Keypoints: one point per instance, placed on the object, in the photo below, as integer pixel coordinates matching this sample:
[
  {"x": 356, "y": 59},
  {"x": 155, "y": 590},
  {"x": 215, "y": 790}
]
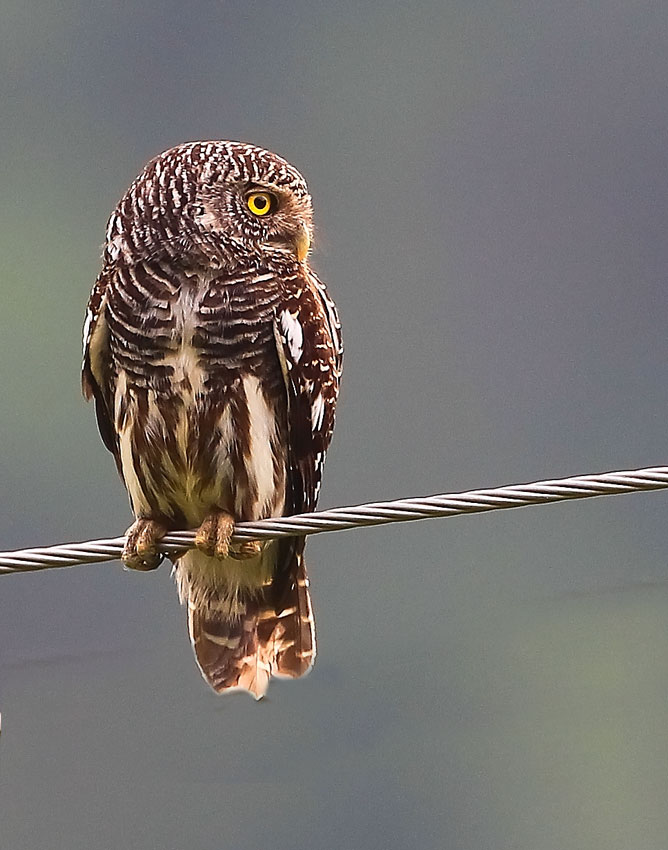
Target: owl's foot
[
  {"x": 141, "y": 544},
  {"x": 247, "y": 549},
  {"x": 214, "y": 535}
]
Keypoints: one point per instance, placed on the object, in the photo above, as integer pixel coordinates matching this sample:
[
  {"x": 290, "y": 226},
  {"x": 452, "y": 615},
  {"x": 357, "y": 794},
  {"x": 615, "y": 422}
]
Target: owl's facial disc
[{"x": 256, "y": 216}]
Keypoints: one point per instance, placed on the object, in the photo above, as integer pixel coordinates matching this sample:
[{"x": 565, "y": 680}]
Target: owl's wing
[
  {"x": 308, "y": 336},
  {"x": 95, "y": 366},
  {"x": 308, "y": 341}
]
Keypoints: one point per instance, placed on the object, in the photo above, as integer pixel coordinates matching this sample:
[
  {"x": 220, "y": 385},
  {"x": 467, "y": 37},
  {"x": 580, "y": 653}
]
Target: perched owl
[{"x": 213, "y": 353}]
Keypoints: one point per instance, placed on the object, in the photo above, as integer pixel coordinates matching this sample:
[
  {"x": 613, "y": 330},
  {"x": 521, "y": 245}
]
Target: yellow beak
[{"x": 302, "y": 243}]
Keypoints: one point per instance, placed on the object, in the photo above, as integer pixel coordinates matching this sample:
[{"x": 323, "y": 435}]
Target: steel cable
[{"x": 359, "y": 516}]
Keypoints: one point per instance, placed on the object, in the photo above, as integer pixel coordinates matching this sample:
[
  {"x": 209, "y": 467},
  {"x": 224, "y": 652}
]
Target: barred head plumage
[{"x": 226, "y": 202}]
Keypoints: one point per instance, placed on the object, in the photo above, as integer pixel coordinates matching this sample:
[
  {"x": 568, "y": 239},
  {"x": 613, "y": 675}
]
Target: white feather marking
[
  {"x": 260, "y": 463},
  {"x": 230, "y": 643},
  {"x": 184, "y": 359},
  {"x": 115, "y": 247},
  {"x": 224, "y": 471},
  {"x": 121, "y": 391},
  {"x": 294, "y": 336},
  {"x": 140, "y": 505},
  {"x": 155, "y": 423},
  {"x": 317, "y": 412},
  {"x": 111, "y": 226},
  {"x": 86, "y": 329},
  {"x": 208, "y": 219}
]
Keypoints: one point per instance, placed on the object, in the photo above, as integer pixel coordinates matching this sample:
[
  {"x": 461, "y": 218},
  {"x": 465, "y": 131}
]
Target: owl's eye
[{"x": 261, "y": 203}]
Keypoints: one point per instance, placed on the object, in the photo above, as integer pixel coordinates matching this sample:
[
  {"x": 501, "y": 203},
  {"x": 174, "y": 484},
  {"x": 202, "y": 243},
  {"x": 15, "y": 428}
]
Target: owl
[{"x": 213, "y": 354}]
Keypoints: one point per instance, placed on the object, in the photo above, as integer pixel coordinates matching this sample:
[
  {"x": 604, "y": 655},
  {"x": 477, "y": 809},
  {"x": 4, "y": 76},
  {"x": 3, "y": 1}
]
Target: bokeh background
[{"x": 491, "y": 190}]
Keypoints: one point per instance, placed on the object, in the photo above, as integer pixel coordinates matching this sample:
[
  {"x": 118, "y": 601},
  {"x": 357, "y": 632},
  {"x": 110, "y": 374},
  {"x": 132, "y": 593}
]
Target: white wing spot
[
  {"x": 317, "y": 412},
  {"x": 292, "y": 330}
]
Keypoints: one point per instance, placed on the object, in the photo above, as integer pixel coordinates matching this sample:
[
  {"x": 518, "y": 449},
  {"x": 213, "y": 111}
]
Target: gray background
[{"x": 490, "y": 182}]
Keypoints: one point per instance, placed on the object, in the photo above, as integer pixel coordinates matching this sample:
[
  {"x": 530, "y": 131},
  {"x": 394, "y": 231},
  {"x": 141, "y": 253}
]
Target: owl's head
[{"x": 228, "y": 203}]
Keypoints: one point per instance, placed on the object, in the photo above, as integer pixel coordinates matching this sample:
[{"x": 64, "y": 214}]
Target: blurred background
[{"x": 491, "y": 191}]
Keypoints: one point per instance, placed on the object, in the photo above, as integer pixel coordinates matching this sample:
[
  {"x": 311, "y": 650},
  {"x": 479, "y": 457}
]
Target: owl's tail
[{"x": 243, "y": 636}]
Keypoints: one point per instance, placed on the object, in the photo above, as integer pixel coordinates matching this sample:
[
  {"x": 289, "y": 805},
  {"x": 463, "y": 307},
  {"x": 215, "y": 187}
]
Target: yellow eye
[{"x": 261, "y": 203}]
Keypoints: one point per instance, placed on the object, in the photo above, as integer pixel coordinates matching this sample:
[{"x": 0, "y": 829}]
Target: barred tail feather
[
  {"x": 241, "y": 641},
  {"x": 228, "y": 651},
  {"x": 289, "y": 627}
]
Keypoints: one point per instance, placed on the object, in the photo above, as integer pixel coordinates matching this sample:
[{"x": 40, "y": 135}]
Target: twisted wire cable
[{"x": 359, "y": 516}]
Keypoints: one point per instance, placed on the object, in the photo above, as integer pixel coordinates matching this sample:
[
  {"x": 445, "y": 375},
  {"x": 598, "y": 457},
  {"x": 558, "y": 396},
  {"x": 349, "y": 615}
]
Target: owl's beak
[{"x": 302, "y": 243}]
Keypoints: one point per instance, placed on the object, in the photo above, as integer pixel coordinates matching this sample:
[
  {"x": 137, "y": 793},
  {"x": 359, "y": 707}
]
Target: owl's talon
[
  {"x": 214, "y": 535},
  {"x": 247, "y": 549},
  {"x": 141, "y": 545}
]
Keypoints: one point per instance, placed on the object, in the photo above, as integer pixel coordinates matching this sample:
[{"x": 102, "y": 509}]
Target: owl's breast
[{"x": 202, "y": 416}]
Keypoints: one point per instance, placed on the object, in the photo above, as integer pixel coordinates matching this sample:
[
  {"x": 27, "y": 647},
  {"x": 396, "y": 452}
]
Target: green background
[{"x": 491, "y": 190}]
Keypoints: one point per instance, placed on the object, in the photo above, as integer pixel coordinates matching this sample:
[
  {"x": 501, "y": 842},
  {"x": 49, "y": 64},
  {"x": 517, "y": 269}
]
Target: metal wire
[{"x": 374, "y": 513}]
